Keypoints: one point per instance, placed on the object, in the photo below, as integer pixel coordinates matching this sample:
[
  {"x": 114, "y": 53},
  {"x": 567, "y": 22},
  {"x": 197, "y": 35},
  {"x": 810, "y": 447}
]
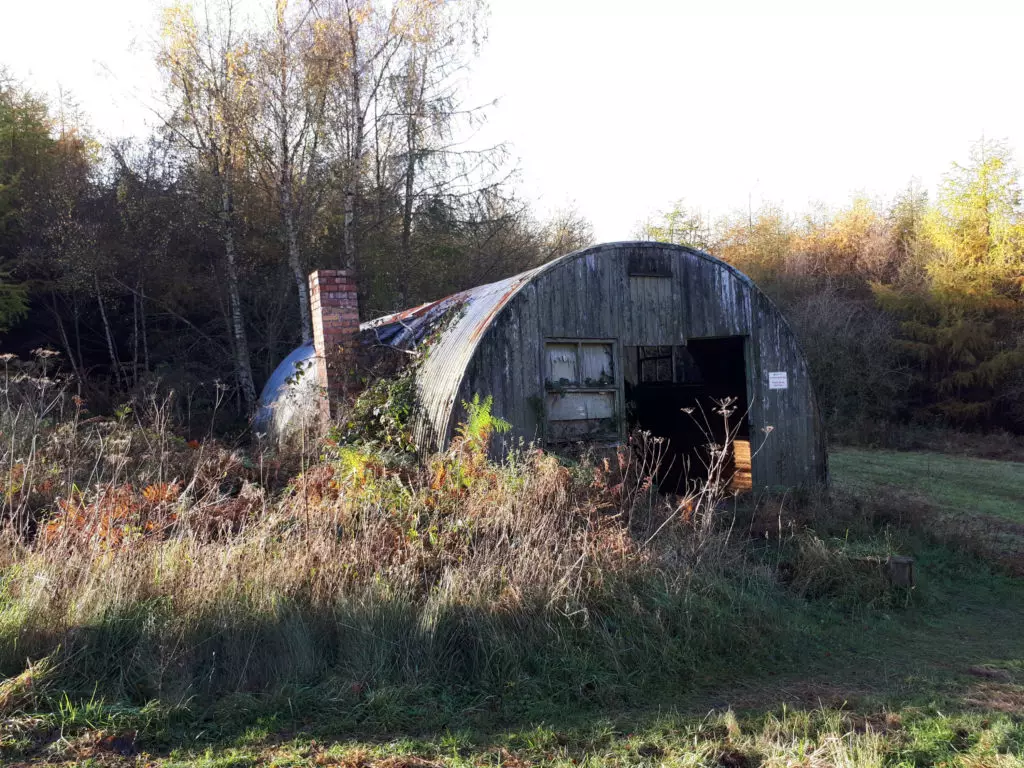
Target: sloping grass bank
[
  {"x": 957, "y": 484},
  {"x": 973, "y": 505}
]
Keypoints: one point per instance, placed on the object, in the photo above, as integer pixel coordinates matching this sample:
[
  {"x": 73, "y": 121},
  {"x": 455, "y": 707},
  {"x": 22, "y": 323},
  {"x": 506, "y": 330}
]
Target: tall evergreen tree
[{"x": 962, "y": 310}]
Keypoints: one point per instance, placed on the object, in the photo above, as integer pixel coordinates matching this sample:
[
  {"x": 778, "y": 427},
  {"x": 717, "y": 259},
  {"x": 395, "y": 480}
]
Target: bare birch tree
[
  {"x": 207, "y": 64},
  {"x": 293, "y": 74},
  {"x": 366, "y": 39}
]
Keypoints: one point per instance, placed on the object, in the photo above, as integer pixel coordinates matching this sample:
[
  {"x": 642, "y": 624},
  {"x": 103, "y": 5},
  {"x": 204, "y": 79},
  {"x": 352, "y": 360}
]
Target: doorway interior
[{"x": 674, "y": 392}]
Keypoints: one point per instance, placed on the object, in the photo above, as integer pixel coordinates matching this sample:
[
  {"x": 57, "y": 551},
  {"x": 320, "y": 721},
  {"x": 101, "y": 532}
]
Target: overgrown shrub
[
  {"x": 854, "y": 363},
  {"x": 67, "y": 473},
  {"x": 849, "y": 577},
  {"x": 380, "y": 418}
]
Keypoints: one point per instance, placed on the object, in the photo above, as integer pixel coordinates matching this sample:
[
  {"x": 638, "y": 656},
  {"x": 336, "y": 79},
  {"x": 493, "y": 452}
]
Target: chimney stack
[{"x": 335, "y": 308}]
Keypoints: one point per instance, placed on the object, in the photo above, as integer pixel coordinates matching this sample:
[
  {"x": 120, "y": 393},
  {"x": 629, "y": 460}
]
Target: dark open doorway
[{"x": 663, "y": 381}]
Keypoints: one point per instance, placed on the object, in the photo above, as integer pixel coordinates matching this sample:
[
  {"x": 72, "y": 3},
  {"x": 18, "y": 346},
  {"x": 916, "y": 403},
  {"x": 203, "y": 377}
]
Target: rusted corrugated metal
[
  {"x": 406, "y": 329},
  {"x": 629, "y": 294},
  {"x": 468, "y": 314}
]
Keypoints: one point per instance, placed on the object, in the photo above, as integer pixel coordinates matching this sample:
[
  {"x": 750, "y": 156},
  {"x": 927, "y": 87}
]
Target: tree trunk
[
  {"x": 77, "y": 316},
  {"x": 142, "y": 327},
  {"x": 301, "y": 281},
  {"x": 356, "y": 148},
  {"x": 243, "y": 367},
  {"x": 64, "y": 339},
  {"x": 350, "y": 222},
  {"x": 407, "y": 205},
  {"x": 135, "y": 338},
  {"x": 415, "y": 88},
  {"x": 111, "y": 349},
  {"x": 286, "y": 177},
  {"x": 294, "y": 257}
]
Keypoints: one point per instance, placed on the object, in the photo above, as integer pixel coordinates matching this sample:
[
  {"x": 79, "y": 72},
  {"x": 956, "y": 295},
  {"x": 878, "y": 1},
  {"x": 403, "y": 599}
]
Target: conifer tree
[{"x": 962, "y": 308}]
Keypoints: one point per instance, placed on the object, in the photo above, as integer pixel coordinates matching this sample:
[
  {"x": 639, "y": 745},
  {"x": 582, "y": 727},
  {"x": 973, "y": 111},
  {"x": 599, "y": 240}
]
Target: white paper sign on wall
[{"x": 778, "y": 380}]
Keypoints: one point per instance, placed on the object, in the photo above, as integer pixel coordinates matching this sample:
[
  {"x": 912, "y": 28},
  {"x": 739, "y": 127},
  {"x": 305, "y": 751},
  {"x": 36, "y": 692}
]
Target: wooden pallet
[{"x": 742, "y": 478}]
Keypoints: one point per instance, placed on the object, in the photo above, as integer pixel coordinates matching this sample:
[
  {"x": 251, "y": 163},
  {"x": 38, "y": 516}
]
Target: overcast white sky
[{"x": 621, "y": 107}]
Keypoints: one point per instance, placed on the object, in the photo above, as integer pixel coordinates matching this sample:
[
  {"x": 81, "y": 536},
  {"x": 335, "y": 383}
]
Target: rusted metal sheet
[
  {"x": 442, "y": 372},
  {"x": 406, "y": 329},
  {"x": 512, "y": 338}
]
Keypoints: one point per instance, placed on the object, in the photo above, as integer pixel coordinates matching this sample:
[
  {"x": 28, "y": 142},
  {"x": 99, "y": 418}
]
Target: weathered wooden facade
[{"x": 617, "y": 336}]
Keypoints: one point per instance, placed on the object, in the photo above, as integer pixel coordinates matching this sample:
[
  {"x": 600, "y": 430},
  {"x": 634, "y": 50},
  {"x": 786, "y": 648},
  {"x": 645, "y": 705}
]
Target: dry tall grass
[{"x": 151, "y": 568}]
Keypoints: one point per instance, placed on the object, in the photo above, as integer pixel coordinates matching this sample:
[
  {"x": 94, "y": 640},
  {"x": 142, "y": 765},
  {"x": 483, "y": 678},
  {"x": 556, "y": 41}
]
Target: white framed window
[{"x": 581, "y": 383}]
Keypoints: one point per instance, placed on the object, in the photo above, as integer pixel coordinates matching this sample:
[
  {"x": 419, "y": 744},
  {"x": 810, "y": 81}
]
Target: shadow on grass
[{"x": 380, "y": 673}]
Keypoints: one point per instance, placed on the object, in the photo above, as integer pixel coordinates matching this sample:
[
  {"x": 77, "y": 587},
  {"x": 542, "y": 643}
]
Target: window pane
[
  {"x": 649, "y": 371},
  {"x": 665, "y": 370},
  {"x": 561, "y": 365},
  {"x": 687, "y": 371},
  {"x": 575, "y": 406},
  {"x": 593, "y": 429},
  {"x": 654, "y": 264},
  {"x": 656, "y": 365},
  {"x": 648, "y": 353},
  {"x": 597, "y": 365}
]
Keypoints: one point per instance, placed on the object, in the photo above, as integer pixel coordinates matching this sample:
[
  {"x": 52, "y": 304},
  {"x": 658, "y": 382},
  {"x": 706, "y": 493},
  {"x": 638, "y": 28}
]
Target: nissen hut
[{"x": 596, "y": 343}]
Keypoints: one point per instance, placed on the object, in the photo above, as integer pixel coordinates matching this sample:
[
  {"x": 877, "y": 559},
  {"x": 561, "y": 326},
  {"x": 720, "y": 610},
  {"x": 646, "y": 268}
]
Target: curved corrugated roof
[
  {"x": 469, "y": 312},
  {"x": 407, "y": 328},
  {"x": 288, "y": 376},
  {"x": 466, "y": 316}
]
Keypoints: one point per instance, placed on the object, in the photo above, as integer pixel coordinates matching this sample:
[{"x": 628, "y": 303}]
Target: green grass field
[
  {"x": 933, "y": 678},
  {"x": 954, "y": 484}
]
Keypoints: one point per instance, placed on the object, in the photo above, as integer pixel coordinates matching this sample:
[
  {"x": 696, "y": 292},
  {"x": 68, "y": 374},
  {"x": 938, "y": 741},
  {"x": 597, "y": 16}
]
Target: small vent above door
[{"x": 642, "y": 264}]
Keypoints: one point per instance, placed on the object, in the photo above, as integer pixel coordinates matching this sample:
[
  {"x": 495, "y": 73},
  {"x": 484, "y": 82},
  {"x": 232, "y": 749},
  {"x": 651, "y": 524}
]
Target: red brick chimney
[{"x": 335, "y": 308}]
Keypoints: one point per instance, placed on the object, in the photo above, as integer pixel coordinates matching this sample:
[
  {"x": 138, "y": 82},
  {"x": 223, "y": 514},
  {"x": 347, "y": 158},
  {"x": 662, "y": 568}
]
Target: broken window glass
[{"x": 562, "y": 365}]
